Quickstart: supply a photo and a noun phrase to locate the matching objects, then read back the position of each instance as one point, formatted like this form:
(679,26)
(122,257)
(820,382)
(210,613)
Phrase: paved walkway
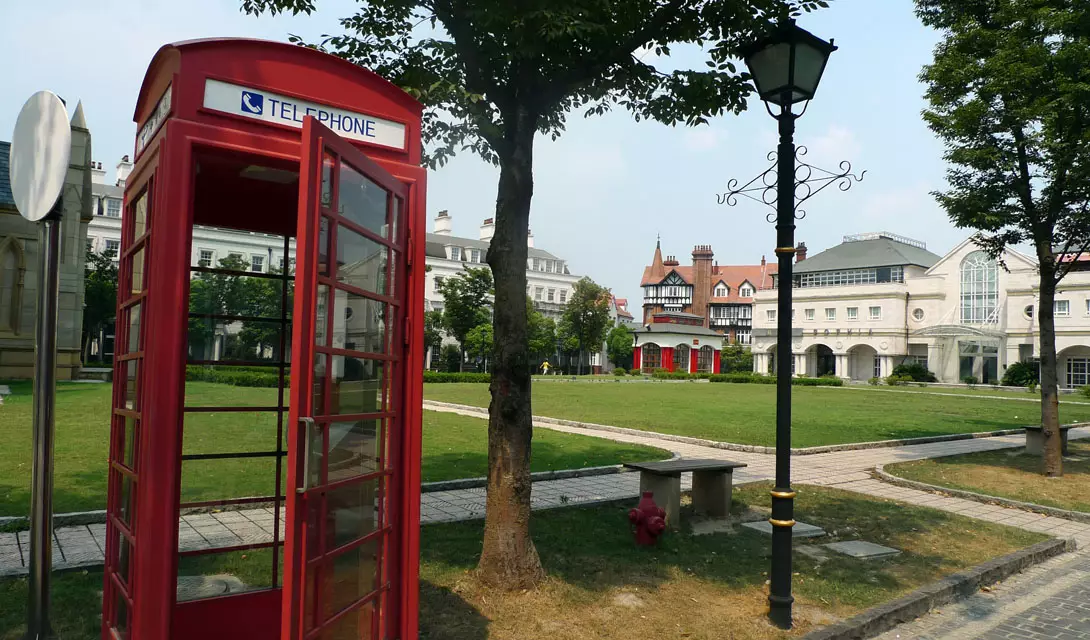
(82,546)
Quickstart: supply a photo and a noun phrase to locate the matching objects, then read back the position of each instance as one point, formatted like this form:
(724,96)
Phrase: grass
(454,446)
(978,390)
(698,588)
(745,413)
(1009,473)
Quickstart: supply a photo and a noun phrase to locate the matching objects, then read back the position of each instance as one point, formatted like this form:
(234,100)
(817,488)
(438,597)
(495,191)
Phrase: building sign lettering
(154,122)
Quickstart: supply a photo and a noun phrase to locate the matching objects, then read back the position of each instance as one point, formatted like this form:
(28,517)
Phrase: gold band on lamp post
(786,495)
(781,523)
(785,249)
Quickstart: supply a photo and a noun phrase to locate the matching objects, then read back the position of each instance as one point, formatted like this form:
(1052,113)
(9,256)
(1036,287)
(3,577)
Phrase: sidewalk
(82,546)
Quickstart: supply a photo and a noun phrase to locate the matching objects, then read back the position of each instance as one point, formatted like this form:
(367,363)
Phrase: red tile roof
(760,276)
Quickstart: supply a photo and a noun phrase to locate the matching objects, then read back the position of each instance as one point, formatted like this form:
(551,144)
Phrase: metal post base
(779,611)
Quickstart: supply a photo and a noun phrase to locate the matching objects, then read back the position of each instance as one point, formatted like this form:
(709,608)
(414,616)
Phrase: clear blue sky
(609,185)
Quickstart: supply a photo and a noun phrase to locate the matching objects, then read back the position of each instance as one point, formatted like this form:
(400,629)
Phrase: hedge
(440,377)
(753,378)
(235,376)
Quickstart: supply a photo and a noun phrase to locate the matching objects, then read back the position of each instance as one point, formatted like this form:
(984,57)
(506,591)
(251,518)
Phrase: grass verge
(1008,473)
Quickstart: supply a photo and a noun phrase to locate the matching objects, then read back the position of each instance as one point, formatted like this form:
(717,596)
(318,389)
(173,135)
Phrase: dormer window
(746,290)
(722,291)
(456,253)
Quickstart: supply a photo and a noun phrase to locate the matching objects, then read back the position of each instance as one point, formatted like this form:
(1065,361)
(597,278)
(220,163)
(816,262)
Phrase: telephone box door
(347,390)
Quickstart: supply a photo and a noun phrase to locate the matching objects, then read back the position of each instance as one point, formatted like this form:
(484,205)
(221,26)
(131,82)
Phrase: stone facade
(19,259)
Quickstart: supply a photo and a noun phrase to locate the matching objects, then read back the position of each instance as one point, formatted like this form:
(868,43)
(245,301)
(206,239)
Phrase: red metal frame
(165,166)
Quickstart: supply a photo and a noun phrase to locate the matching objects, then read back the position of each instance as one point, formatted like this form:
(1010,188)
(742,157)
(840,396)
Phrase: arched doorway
(681,358)
(863,363)
(1073,364)
(771,370)
(705,359)
(650,358)
(820,361)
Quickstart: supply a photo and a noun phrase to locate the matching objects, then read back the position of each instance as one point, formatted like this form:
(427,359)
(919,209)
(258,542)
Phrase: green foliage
(619,371)
(450,358)
(454,376)
(99,293)
(874,381)
(734,358)
(619,346)
(895,380)
(635,372)
(541,335)
(234,376)
(586,318)
(673,375)
(1085,391)
(915,372)
(467,302)
(1021,374)
(433,329)
(479,342)
(970,380)
(236,294)
(1031,387)
(753,378)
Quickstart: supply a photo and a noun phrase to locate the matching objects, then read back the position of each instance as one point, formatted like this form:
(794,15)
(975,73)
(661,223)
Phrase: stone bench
(712,485)
(1035,440)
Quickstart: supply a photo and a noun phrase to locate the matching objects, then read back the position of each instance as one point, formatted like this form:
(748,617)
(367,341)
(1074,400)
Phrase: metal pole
(45,386)
(782,520)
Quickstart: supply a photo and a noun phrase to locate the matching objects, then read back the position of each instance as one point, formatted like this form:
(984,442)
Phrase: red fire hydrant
(648,519)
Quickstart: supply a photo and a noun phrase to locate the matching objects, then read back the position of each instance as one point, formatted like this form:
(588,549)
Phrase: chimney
(124,168)
(98,175)
(488,229)
(702,280)
(800,252)
(530,238)
(763,261)
(443,224)
(670,261)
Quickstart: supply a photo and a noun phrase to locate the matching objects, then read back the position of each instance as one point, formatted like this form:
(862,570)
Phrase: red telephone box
(254,511)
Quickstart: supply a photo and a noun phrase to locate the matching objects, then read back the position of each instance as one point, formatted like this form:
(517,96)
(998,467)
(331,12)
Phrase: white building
(877,300)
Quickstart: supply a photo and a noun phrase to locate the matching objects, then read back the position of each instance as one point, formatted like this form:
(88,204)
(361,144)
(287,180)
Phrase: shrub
(443,377)
(970,380)
(898,381)
(450,358)
(751,378)
(635,372)
(670,375)
(915,371)
(736,377)
(1021,374)
(1031,387)
(234,376)
(657,370)
(1085,391)
(619,371)
(875,381)
(818,382)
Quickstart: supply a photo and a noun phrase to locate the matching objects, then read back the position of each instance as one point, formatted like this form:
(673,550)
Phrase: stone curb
(72,519)
(474,483)
(884,617)
(1077,516)
(746,448)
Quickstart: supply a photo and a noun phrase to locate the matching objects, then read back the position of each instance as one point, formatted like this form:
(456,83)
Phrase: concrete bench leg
(666,491)
(711,493)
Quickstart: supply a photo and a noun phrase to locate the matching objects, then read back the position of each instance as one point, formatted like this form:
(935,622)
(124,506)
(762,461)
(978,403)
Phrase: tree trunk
(1050,403)
(509,559)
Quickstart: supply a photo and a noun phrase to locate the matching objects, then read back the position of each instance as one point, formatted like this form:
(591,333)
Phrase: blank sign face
(40,148)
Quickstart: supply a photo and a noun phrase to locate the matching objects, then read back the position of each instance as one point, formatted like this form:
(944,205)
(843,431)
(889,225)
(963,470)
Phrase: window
(721,292)
(113,208)
(455,253)
(742,336)
(90,245)
(876,313)
(563,296)
(113,246)
(551,295)
(771,313)
(1028,311)
(917,314)
(651,358)
(12,270)
(207,256)
(681,358)
(792,315)
(475,255)
(257,264)
(538,291)
(439,283)
(1088,306)
(1078,372)
(830,313)
(746,291)
(877,366)
(705,359)
(1062,308)
(853,313)
(979,289)
(533,264)
(281,263)
(808,314)
(541,265)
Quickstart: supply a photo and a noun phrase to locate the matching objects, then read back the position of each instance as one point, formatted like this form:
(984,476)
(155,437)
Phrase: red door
(348,351)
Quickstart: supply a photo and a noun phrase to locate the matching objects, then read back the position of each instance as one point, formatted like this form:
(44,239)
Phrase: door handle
(308,437)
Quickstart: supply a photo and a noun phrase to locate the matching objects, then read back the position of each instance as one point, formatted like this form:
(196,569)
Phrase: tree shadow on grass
(444,615)
(546,456)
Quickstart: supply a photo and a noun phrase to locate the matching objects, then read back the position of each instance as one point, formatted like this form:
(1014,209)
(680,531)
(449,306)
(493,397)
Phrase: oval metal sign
(40,149)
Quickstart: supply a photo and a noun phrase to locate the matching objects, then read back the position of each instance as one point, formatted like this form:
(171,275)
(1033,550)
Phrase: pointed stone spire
(79,121)
(658,271)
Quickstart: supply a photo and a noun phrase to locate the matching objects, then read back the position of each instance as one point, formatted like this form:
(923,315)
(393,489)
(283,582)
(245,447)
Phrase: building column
(759,364)
(842,366)
(934,361)
(716,368)
(887,366)
(800,364)
(668,358)
(692,360)
(637,352)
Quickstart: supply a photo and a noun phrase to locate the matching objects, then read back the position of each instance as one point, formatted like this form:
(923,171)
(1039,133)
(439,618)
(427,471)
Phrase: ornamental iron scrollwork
(809,181)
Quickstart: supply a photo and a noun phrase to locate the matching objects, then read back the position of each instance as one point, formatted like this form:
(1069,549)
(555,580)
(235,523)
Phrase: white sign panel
(40,149)
(154,121)
(278,109)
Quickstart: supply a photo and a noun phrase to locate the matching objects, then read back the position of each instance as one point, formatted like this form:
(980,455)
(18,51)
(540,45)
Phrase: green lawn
(454,446)
(690,587)
(745,413)
(1009,473)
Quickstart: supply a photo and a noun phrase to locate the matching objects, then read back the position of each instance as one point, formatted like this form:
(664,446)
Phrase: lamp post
(786,67)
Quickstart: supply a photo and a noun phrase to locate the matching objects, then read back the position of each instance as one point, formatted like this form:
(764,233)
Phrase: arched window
(681,358)
(651,358)
(704,359)
(979,289)
(12,268)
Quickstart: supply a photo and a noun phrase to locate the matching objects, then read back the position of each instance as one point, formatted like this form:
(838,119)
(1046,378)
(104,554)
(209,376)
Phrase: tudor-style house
(719,297)
(878,299)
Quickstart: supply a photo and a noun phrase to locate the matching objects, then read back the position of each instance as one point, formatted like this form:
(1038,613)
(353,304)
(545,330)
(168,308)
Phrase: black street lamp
(786,67)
